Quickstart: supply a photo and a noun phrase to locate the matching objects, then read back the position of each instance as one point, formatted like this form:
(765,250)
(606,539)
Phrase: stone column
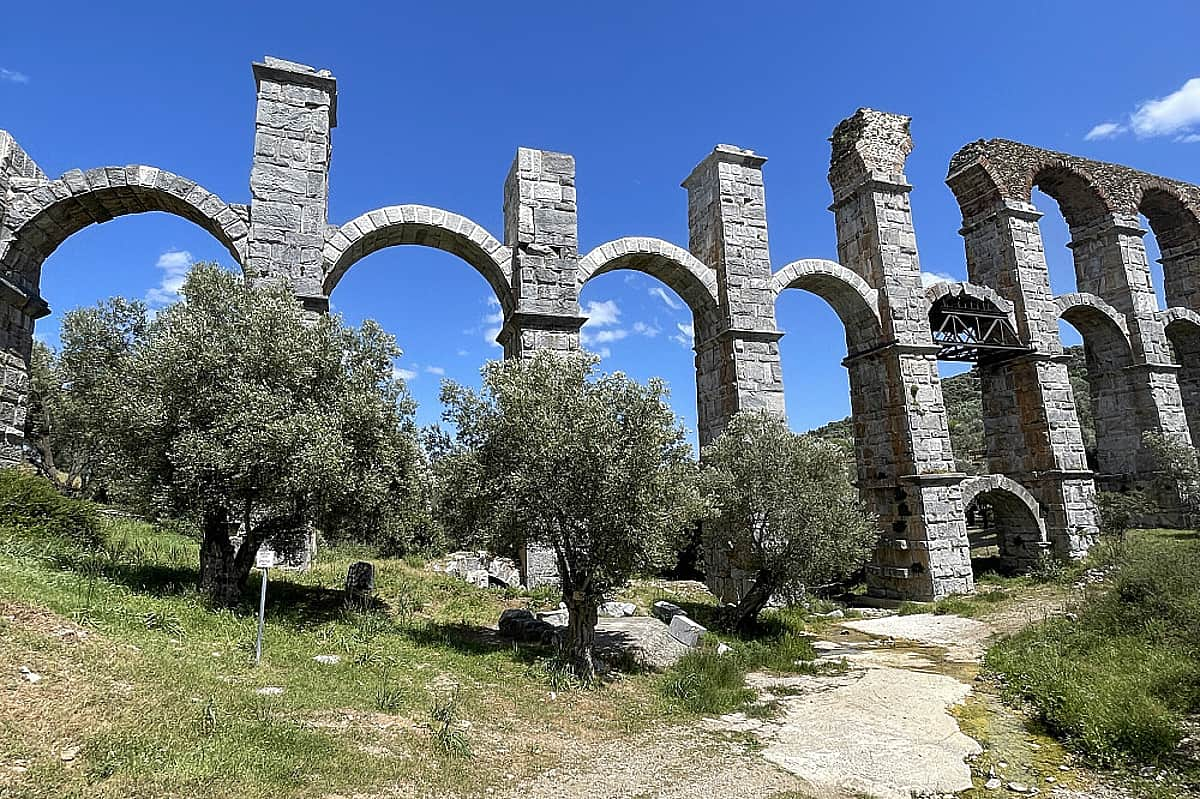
(906,466)
(737,355)
(1030,425)
(1111,262)
(540,225)
(289,188)
(20,306)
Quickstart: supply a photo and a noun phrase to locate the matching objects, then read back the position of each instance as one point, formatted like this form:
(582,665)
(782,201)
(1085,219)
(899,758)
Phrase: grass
(1119,679)
(147,692)
(160,696)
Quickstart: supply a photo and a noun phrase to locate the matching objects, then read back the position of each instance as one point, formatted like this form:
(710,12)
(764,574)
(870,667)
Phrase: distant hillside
(963,407)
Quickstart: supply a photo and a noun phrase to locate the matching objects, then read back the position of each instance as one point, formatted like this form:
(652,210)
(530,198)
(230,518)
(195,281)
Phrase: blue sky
(435,98)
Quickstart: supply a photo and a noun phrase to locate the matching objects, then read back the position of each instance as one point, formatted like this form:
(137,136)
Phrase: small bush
(447,739)
(32,507)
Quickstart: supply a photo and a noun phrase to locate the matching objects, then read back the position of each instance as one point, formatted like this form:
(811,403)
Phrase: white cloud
(175,265)
(685,336)
(492,322)
(12,76)
(647,330)
(1176,115)
(672,303)
(435,370)
(404,374)
(1105,130)
(601,314)
(933,278)
(463,353)
(605,336)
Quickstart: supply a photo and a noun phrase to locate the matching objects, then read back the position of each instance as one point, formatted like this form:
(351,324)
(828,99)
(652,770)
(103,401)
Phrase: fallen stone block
(686,631)
(617,610)
(665,611)
(478,578)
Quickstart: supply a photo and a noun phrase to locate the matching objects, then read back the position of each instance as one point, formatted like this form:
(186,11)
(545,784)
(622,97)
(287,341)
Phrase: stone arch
(421,225)
(855,303)
(1019,519)
(1182,326)
(695,283)
(1174,219)
(1080,197)
(43,216)
(984,294)
(1116,415)
(1087,312)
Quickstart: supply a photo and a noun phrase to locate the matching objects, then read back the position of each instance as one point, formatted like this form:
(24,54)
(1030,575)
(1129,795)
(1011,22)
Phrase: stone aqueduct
(1144,363)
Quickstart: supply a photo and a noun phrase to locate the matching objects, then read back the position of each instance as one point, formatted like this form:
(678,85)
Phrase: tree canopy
(594,467)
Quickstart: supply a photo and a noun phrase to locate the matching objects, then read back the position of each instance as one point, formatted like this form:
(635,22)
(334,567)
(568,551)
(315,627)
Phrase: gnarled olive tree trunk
(582,615)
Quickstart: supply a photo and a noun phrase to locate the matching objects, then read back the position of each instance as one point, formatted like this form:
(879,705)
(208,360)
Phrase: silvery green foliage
(783,509)
(593,466)
(240,407)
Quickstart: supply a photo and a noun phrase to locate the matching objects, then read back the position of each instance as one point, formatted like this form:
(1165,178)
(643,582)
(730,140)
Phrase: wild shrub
(1118,681)
(32,508)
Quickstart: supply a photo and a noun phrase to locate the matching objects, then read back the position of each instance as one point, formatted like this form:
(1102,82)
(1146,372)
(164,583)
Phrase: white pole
(262,615)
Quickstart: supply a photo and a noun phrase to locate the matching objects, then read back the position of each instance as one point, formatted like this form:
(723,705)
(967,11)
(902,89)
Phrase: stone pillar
(737,354)
(1031,429)
(541,227)
(289,187)
(20,306)
(906,466)
(1111,262)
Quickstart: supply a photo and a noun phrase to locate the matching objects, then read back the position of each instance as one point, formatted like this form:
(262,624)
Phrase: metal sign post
(264,560)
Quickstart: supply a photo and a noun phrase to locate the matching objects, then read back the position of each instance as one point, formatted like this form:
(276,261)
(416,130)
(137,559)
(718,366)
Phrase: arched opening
(652,312)
(445,318)
(1174,247)
(1005,524)
(1183,333)
(1106,401)
(41,217)
(828,289)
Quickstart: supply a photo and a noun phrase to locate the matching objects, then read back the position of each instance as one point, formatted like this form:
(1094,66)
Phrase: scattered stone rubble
(481,569)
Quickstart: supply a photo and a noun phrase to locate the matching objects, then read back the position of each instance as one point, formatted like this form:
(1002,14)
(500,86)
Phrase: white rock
(724,649)
(478,578)
(992,784)
(269,690)
(685,631)
(617,610)
(30,676)
(328,660)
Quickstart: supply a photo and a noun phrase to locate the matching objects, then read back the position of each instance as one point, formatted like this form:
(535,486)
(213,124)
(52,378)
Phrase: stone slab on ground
(646,641)
(880,732)
(964,639)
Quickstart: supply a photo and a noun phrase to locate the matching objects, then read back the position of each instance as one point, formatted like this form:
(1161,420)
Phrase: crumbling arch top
(421,225)
(43,216)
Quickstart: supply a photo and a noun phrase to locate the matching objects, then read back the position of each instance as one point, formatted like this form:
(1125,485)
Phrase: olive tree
(783,510)
(73,389)
(595,467)
(240,409)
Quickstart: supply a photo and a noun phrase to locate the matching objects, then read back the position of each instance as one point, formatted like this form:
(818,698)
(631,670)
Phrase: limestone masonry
(1143,362)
